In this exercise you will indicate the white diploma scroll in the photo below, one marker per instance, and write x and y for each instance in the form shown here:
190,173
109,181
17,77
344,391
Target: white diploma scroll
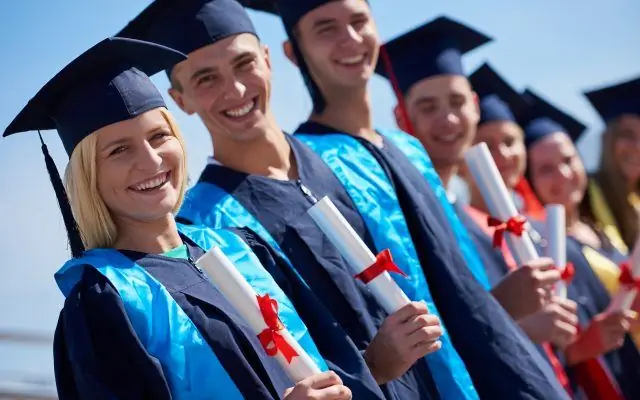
496,197
244,299
623,300
333,224
557,242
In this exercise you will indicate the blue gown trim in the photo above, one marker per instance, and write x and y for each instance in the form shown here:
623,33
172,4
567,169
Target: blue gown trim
374,196
209,205
418,156
248,264
192,369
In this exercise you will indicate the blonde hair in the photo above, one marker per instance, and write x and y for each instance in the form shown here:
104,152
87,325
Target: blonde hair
95,222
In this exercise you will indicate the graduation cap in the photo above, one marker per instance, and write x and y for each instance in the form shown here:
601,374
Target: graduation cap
291,11
188,25
435,48
543,118
106,84
499,101
616,100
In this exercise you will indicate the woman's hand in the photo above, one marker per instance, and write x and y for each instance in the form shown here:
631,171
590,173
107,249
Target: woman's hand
605,333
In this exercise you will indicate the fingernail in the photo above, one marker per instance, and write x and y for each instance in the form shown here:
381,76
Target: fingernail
633,315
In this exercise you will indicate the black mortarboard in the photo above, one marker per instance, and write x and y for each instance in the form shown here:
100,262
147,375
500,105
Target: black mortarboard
291,11
106,84
499,101
616,100
188,25
435,48
543,118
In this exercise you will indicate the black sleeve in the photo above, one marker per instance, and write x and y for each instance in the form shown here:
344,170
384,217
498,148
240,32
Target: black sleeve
97,354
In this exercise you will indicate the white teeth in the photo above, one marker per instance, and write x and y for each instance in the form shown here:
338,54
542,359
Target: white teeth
153,183
241,111
352,60
451,137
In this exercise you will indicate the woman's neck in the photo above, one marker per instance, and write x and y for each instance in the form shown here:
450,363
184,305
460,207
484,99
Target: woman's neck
268,155
153,237
349,111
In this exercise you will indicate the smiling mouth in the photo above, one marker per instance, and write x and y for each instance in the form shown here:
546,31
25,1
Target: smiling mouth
152,184
352,61
448,138
243,110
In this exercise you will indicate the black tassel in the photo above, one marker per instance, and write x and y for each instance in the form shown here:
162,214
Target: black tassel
73,233
317,99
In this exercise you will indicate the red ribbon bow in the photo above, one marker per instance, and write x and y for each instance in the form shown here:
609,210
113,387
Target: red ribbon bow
568,273
513,225
384,263
626,278
271,339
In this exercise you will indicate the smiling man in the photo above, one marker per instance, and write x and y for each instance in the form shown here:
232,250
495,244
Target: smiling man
263,179
335,45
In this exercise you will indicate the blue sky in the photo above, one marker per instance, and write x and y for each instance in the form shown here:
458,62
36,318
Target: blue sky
557,47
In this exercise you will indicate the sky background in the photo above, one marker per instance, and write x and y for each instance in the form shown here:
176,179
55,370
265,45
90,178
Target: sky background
559,48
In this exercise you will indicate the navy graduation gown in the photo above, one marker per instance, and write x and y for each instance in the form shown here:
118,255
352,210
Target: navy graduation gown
500,358
98,355
281,207
335,346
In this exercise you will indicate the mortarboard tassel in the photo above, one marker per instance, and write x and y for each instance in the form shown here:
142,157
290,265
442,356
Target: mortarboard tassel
396,88
73,232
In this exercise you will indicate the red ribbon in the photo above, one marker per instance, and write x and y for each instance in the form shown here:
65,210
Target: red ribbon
384,263
626,277
271,339
568,273
513,225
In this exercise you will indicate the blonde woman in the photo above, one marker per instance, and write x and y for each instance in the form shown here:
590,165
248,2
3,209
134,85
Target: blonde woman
140,319
613,197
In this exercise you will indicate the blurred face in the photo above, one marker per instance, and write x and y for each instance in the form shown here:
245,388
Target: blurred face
626,147
139,168
557,173
228,85
340,44
444,114
505,142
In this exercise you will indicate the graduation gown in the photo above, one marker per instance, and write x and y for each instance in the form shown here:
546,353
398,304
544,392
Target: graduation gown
502,363
281,208
592,298
97,353
507,365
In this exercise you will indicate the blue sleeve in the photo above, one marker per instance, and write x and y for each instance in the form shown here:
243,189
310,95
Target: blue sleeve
97,355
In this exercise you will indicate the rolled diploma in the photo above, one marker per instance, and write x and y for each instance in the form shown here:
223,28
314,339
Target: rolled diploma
623,300
244,299
333,224
557,242
496,196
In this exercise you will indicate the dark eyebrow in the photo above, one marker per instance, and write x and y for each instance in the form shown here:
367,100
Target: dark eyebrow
359,15
322,23
202,71
242,56
424,99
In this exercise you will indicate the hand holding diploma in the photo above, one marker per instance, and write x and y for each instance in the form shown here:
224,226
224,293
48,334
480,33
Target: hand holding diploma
261,314
629,282
410,332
